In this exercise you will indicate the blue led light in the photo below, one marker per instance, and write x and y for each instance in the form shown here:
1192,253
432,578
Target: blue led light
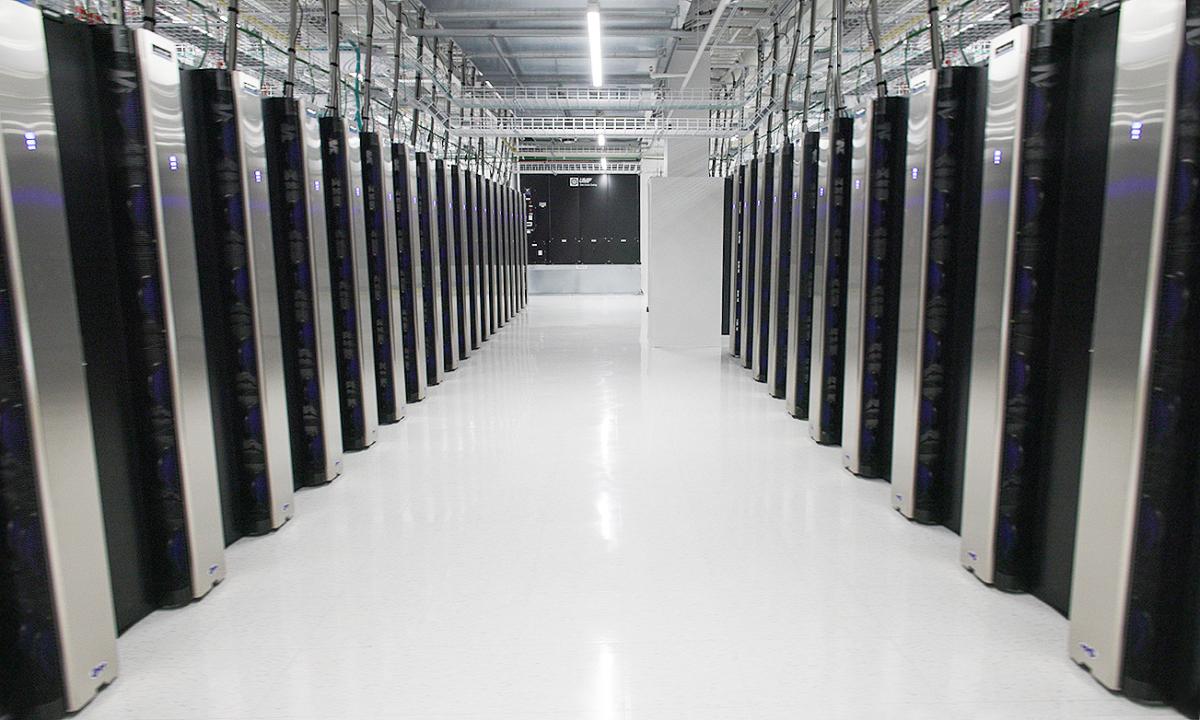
914,173
30,141
1135,130
997,157
258,176
173,163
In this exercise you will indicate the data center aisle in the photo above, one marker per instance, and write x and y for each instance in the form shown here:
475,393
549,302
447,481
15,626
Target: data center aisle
574,527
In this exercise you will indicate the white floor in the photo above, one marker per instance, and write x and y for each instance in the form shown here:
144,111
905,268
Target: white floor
574,527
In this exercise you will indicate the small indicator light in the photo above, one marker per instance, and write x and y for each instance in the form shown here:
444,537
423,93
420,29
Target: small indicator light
173,163
357,191
997,157
857,184
914,174
1135,130
258,176
316,184
30,141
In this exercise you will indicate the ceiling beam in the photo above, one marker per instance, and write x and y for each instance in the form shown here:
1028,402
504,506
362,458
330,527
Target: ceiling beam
563,13
577,30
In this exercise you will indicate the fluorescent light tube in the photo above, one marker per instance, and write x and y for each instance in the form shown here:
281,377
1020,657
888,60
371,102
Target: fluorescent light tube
593,23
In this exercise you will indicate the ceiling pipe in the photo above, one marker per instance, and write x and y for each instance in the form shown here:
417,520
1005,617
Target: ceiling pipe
1014,12
149,14
708,33
512,69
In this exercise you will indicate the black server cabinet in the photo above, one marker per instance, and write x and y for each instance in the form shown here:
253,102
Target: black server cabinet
460,211
379,222
735,261
494,254
431,268
143,343
485,258
873,291
412,282
1035,298
934,351
305,316
781,273
829,285
474,233
505,268
763,266
239,300
447,256
800,293
726,254
351,294
1134,597
749,261
57,639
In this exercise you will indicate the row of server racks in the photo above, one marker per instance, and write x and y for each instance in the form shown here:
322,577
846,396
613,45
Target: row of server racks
987,292
206,298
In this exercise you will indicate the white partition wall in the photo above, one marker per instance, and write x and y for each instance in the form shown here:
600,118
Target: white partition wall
684,261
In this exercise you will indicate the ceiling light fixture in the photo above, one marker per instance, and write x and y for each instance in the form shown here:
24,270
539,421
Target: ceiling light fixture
601,140
593,25
603,163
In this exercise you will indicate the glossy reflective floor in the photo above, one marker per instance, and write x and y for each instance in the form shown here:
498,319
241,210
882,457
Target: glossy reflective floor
574,527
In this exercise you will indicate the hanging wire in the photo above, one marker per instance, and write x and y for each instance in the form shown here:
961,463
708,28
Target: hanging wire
873,32
365,118
808,67
332,23
295,21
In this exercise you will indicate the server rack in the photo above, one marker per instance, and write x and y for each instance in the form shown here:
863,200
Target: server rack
1035,295
383,277
763,264
800,278
475,232
494,253
497,255
431,269
57,644
462,253
780,285
506,278
941,235
239,299
829,284
306,314
412,282
515,230
135,280
856,268
727,245
873,287
487,286
447,256
344,229
749,262
1133,602
737,209
319,250
522,246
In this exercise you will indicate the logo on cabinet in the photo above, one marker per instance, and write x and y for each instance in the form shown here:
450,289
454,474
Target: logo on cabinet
583,182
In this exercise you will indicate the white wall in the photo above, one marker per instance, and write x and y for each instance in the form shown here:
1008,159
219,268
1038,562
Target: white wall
684,268
650,169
